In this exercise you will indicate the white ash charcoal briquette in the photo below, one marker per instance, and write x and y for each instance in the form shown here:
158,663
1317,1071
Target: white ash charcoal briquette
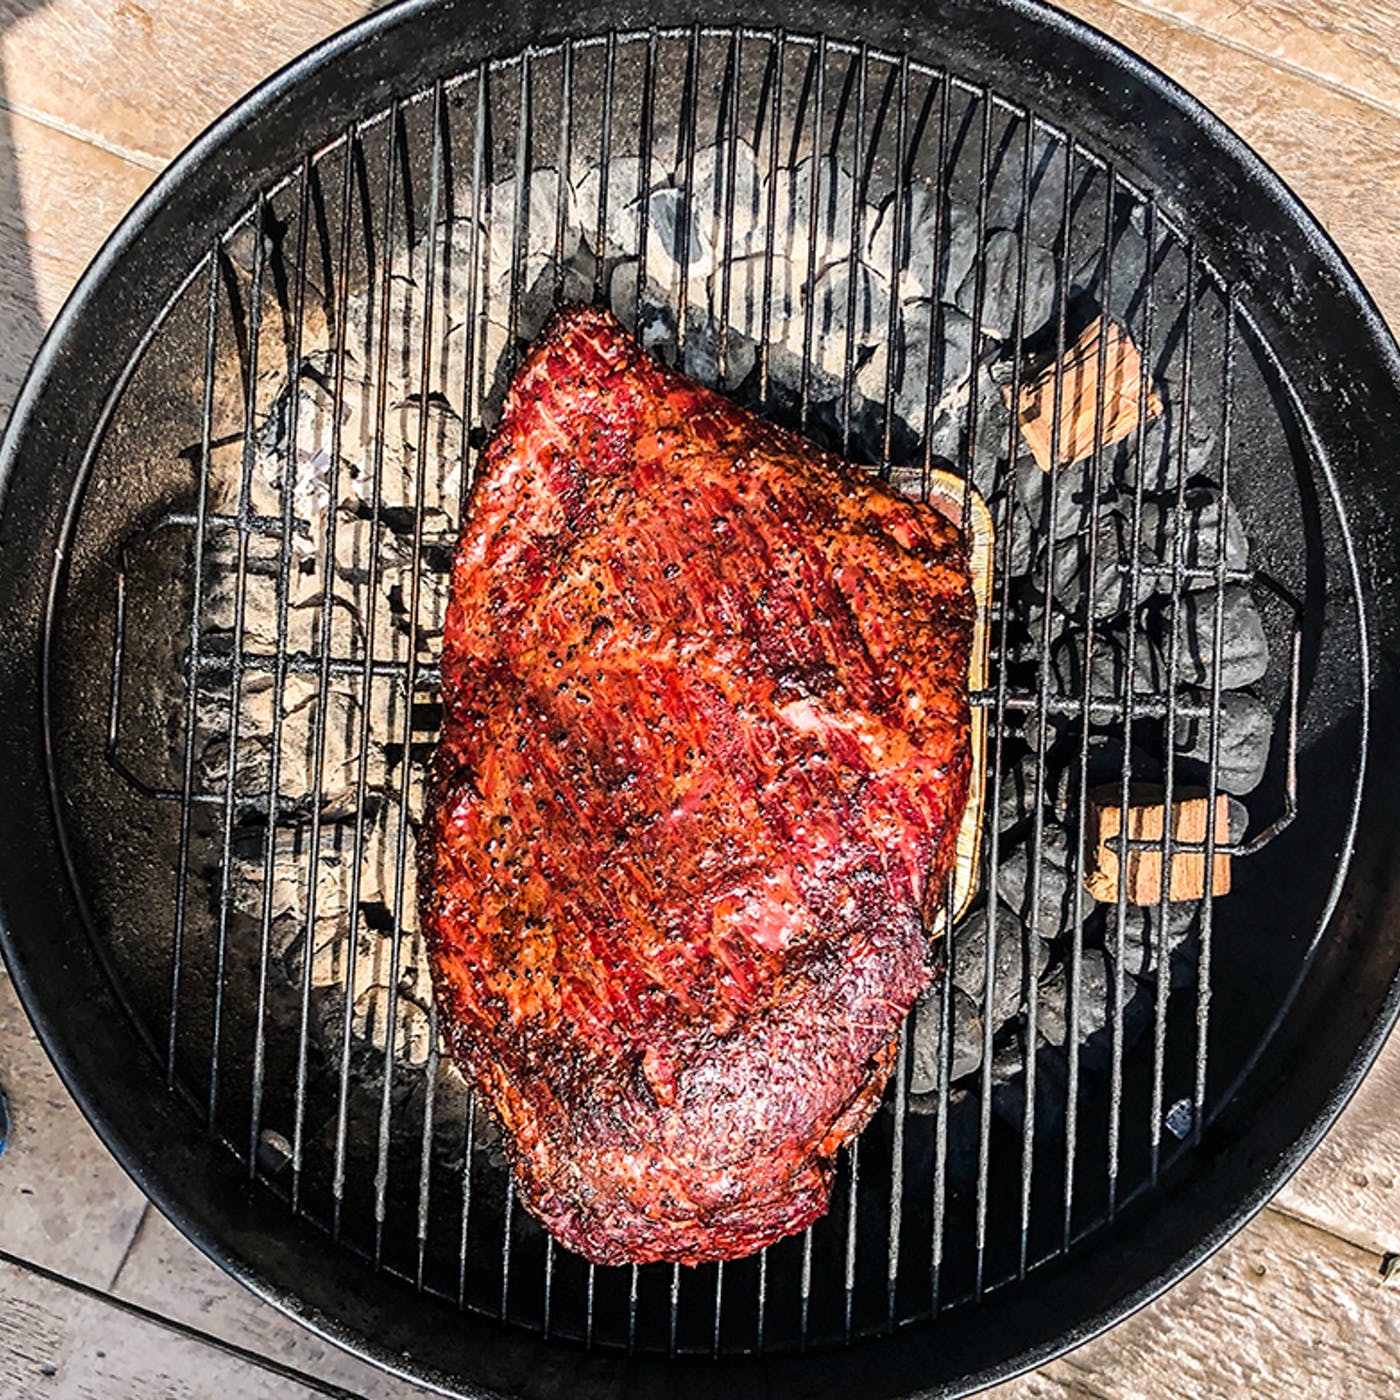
1000,263
523,242
412,1034
925,1032
795,260
1246,730
1242,650
627,183
435,486
330,965
728,199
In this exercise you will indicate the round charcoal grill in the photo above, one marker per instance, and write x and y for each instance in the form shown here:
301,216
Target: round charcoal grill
232,484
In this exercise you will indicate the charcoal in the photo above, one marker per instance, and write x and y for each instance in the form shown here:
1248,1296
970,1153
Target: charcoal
1092,990
1017,885
1246,728
921,236
1074,489
1051,1088
993,433
714,183
1001,282
925,1029
1105,766
1243,650
1198,520
1161,464
1017,545
1017,791
1128,260
970,954
1109,672
950,369
1114,591
1143,931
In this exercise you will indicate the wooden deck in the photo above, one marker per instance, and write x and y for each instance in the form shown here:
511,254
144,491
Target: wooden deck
99,1296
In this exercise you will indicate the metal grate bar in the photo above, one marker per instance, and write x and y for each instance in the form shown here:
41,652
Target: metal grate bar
1030,960
858,71
979,296
898,262
1075,1029
1168,843
279,679
689,122
1203,970
644,154
401,870
604,162
816,85
848,365
182,859
235,672
933,379
507,1216
377,327
774,94
945,1068
470,402
730,119
324,670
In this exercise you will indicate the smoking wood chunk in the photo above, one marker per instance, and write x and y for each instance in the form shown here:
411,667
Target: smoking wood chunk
1147,815
1081,393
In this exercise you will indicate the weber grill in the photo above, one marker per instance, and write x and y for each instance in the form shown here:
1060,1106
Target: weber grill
977,248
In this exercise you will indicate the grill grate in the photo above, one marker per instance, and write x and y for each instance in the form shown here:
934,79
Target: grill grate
356,329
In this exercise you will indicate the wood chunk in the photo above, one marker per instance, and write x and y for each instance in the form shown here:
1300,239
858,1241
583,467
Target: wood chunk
1078,373
1147,811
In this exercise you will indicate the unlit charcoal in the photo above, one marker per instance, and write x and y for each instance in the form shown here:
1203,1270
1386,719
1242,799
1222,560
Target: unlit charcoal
1241,650
1036,884
1145,935
1009,1087
1109,672
1002,290
1201,529
1009,959
1245,731
1091,994
925,1043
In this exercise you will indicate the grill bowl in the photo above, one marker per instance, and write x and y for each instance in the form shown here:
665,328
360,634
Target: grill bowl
1306,964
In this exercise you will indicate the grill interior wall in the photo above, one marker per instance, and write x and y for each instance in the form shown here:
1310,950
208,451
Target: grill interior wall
304,1033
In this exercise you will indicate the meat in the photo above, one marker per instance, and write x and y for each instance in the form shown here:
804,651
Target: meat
704,754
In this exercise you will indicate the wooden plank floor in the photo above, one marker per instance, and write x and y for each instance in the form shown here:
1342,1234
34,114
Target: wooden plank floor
98,1295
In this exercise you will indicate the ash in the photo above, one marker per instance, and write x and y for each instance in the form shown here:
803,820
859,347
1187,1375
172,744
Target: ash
828,316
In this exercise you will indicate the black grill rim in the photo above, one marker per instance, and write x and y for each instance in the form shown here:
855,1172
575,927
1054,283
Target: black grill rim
43,942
